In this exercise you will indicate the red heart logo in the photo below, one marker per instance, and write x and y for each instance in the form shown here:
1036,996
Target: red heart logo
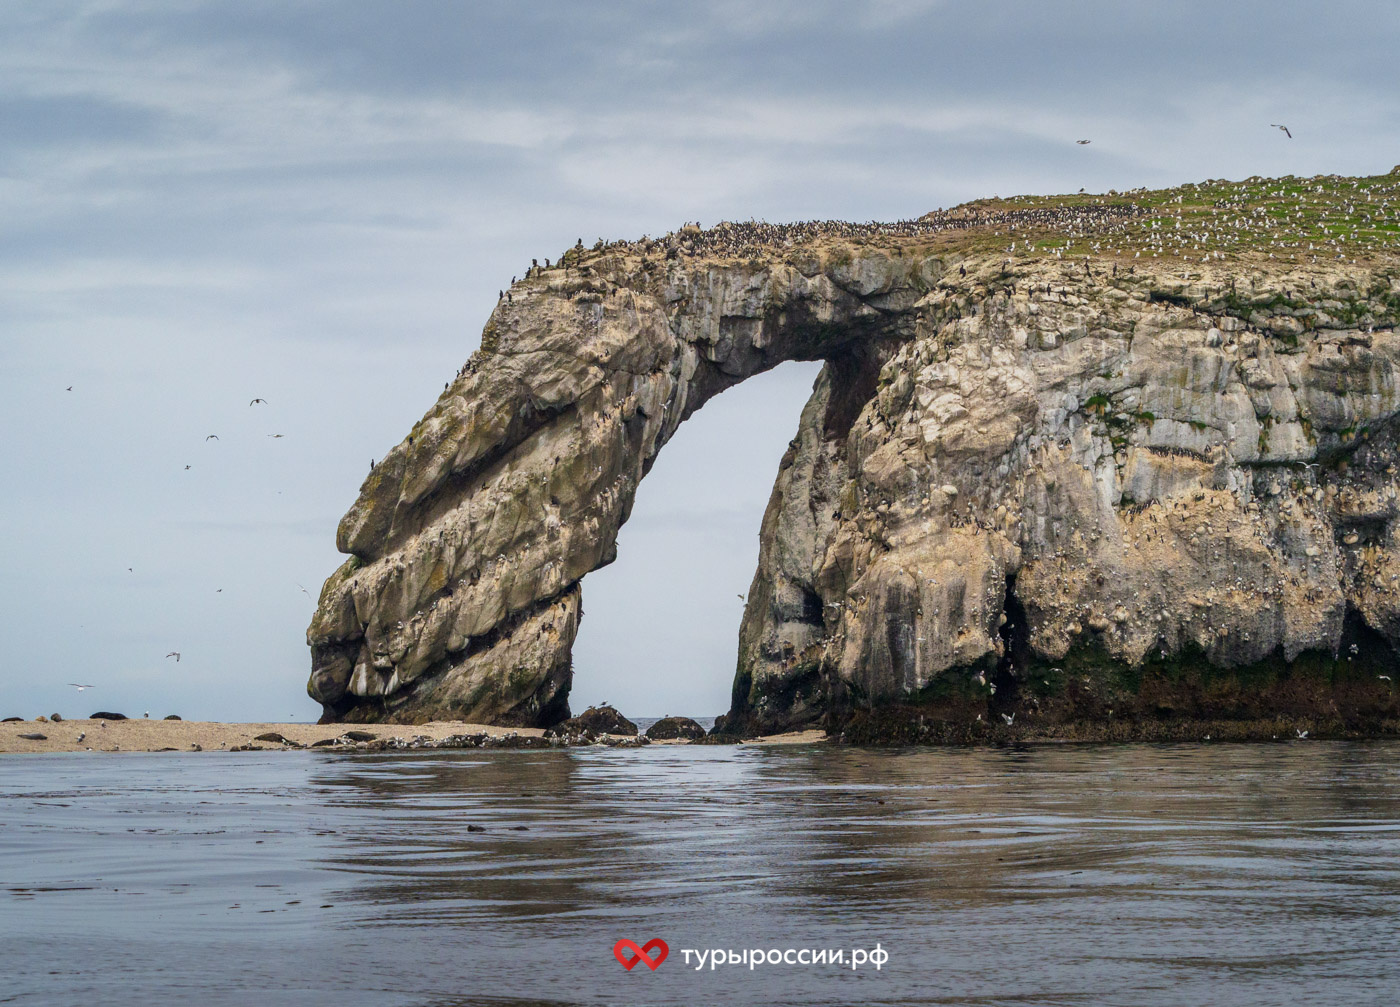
641,954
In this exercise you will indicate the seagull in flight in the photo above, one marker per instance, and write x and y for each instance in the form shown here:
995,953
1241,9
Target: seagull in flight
1008,717
212,437
1301,734
69,388
1284,128
175,654
275,435
306,592
1083,142
256,401
80,688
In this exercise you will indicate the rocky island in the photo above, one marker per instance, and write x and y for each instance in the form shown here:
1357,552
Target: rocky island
1091,466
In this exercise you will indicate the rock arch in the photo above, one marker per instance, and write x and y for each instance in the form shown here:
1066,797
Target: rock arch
469,540
1025,490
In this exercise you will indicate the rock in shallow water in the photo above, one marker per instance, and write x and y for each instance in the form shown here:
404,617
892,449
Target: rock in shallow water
675,728
595,720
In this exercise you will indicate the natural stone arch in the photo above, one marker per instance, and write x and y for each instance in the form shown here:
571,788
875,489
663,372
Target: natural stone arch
1026,490
470,538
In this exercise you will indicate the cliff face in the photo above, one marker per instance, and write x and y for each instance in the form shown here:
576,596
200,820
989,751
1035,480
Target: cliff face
1045,488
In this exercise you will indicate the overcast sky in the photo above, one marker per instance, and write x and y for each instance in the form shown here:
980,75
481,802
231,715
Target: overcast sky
315,203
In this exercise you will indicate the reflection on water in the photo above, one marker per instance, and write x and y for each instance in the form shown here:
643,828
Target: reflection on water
1248,874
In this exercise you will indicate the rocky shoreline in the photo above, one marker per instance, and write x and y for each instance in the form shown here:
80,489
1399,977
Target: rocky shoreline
887,726
101,735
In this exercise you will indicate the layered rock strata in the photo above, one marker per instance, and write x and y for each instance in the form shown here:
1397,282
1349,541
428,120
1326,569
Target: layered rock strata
1028,489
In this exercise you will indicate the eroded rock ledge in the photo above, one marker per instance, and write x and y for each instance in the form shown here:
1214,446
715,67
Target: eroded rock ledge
1031,489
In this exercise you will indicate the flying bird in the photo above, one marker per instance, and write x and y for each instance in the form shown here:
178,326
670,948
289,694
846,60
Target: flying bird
306,592
187,468
1008,717
69,388
256,401
274,435
80,688
1082,142
175,654
1301,734
212,437
1284,128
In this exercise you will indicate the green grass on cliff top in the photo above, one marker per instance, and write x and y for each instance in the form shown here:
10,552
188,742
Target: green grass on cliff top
1327,218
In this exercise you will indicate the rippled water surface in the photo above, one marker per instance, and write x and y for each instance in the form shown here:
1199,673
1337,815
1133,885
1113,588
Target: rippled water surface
1250,874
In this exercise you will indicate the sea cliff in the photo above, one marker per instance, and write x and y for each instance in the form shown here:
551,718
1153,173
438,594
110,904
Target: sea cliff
1087,466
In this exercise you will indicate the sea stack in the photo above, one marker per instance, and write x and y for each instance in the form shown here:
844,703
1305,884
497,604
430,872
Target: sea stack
1107,466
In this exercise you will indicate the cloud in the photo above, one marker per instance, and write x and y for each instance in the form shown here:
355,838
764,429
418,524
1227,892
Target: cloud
318,200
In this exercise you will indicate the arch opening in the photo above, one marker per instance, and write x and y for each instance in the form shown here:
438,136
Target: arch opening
661,622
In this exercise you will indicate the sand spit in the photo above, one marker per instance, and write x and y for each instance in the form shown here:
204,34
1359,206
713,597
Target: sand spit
213,736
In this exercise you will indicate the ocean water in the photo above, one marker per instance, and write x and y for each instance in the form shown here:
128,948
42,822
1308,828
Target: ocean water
1227,874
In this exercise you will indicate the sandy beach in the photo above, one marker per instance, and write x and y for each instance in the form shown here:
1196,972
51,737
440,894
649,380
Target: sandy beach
214,736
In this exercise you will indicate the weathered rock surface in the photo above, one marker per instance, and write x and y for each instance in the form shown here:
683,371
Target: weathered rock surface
1024,486
1090,477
